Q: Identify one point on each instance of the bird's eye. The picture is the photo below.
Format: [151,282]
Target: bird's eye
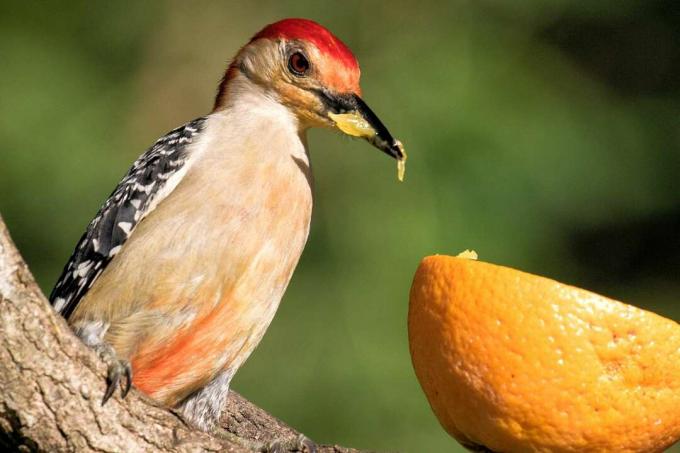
[298,64]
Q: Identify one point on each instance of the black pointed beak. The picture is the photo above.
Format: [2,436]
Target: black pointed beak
[353,117]
[382,139]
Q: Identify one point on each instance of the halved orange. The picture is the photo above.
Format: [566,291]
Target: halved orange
[515,362]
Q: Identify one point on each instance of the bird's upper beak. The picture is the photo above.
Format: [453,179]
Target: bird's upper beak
[353,117]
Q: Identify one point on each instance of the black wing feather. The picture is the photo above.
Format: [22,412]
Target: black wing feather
[120,214]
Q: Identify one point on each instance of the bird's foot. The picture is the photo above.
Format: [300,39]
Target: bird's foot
[299,444]
[117,368]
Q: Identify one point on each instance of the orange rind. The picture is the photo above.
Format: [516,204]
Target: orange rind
[515,362]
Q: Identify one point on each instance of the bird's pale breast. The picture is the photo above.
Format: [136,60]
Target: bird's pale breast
[199,281]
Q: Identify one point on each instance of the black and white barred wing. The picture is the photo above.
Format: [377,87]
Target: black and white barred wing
[140,190]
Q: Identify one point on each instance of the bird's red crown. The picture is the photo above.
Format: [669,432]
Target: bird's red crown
[320,36]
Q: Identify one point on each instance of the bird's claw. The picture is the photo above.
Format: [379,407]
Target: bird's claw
[301,444]
[117,368]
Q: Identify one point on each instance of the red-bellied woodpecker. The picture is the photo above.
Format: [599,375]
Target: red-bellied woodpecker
[180,273]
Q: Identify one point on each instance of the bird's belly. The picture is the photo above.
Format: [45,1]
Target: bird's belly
[221,314]
[200,306]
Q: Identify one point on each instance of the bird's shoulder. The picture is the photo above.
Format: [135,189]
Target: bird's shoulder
[137,194]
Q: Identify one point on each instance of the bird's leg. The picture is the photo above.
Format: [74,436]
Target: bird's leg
[300,443]
[203,408]
[117,368]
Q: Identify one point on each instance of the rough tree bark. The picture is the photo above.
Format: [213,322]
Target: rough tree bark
[51,387]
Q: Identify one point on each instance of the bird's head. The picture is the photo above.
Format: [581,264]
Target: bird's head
[310,71]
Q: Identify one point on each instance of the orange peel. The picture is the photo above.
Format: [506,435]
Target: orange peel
[516,362]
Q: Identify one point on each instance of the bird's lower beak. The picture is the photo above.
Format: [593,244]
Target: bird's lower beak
[353,117]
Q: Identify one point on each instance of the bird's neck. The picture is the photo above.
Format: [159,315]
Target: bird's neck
[251,127]
[242,95]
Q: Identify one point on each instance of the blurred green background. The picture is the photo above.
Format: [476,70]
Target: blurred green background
[544,135]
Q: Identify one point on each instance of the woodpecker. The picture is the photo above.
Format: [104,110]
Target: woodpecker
[181,271]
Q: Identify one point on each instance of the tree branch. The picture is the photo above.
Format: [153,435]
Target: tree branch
[51,387]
